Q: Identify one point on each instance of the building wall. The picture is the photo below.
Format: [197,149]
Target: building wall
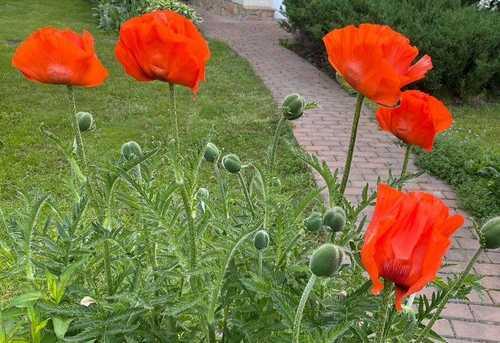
[256,3]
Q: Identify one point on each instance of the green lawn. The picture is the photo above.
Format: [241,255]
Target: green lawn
[233,104]
[465,155]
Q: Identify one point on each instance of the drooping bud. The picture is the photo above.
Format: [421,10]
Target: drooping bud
[231,163]
[293,106]
[261,240]
[335,218]
[314,222]
[490,234]
[326,260]
[211,153]
[85,121]
[131,150]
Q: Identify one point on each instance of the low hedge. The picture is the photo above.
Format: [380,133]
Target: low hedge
[463,40]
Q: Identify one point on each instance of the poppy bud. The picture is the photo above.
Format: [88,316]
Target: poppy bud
[261,240]
[231,163]
[314,222]
[211,153]
[335,218]
[85,121]
[326,260]
[293,106]
[490,234]
[131,150]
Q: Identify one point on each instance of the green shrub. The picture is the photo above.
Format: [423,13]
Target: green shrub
[470,167]
[463,41]
[111,14]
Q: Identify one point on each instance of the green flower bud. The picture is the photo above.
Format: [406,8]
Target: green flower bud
[261,240]
[335,218]
[326,260]
[231,163]
[314,222]
[490,234]
[131,150]
[211,153]
[293,106]
[85,121]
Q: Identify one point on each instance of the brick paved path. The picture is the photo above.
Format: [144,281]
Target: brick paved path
[325,132]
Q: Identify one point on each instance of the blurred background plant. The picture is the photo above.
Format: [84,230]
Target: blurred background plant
[110,14]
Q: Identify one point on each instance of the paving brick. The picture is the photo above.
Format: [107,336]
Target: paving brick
[325,132]
[457,310]
[495,296]
[486,313]
[443,327]
[476,330]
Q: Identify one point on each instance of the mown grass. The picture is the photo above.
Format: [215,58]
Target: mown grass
[233,105]
[467,157]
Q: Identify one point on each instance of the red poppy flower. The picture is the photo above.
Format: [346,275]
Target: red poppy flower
[165,46]
[56,56]
[417,121]
[375,60]
[406,240]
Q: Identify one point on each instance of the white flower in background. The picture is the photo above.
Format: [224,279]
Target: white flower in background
[87,301]
[489,4]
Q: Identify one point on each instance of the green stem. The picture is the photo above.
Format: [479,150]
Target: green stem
[216,291]
[247,193]
[447,296]
[189,213]
[300,309]
[173,112]
[288,248]
[350,152]
[222,188]
[405,165]
[260,263]
[274,146]
[385,311]
[107,267]
[80,149]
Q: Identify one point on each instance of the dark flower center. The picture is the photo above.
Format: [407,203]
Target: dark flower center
[396,271]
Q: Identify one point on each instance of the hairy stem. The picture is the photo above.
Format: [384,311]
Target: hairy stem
[350,152]
[173,113]
[189,213]
[107,267]
[447,296]
[80,149]
[222,188]
[246,193]
[385,312]
[300,309]
[274,146]
[405,165]
[216,291]
[288,248]
[260,263]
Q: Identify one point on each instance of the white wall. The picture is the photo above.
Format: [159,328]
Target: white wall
[256,3]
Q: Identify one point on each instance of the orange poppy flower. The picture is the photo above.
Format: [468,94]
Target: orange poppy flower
[375,60]
[165,46]
[62,57]
[406,240]
[417,121]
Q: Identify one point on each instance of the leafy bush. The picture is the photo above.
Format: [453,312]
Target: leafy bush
[112,13]
[463,41]
[118,265]
[470,167]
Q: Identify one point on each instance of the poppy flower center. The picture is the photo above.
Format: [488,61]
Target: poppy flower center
[396,271]
[59,73]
